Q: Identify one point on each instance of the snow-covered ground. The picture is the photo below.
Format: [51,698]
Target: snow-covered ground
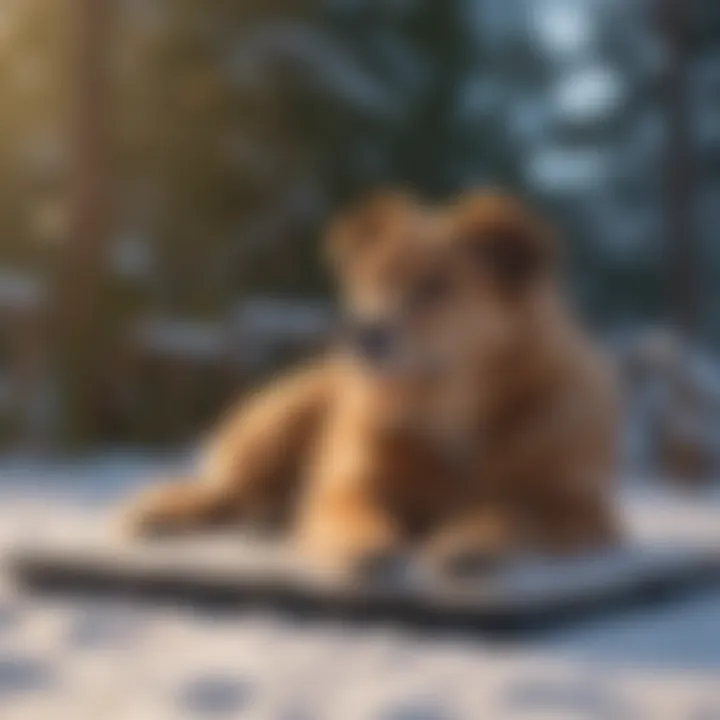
[78,658]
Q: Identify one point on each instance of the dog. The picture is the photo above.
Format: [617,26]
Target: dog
[464,413]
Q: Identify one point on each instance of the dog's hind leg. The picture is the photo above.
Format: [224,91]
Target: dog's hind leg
[251,464]
[175,504]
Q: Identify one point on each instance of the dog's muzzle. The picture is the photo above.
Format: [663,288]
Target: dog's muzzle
[373,342]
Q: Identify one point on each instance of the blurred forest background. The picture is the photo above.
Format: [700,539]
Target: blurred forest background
[168,167]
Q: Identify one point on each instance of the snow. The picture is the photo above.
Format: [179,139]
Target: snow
[185,339]
[684,636]
[278,317]
[564,27]
[588,94]
[257,328]
[318,62]
[131,257]
[65,657]
[566,170]
[20,291]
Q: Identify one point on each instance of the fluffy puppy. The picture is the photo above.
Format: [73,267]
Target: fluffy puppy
[464,412]
[545,443]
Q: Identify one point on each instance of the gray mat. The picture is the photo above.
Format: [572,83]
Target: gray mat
[233,571]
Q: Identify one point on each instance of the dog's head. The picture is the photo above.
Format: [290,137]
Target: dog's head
[392,262]
[425,290]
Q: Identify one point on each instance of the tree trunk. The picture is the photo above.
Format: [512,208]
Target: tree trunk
[679,172]
[81,267]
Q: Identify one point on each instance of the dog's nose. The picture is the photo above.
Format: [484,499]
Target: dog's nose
[374,341]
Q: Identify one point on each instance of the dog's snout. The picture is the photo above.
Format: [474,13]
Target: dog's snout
[374,340]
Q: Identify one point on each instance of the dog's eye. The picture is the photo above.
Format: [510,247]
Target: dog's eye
[510,258]
[429,292]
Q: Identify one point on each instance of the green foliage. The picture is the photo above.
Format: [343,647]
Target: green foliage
[239,126]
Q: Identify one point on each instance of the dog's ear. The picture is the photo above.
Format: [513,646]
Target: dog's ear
[361,227]
[506,241]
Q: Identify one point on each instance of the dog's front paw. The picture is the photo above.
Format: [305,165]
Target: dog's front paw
[388,567]
[347,553]
[468,549]
[151,514]
[467,561]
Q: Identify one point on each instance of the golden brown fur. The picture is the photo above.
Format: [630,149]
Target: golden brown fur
[489,426]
